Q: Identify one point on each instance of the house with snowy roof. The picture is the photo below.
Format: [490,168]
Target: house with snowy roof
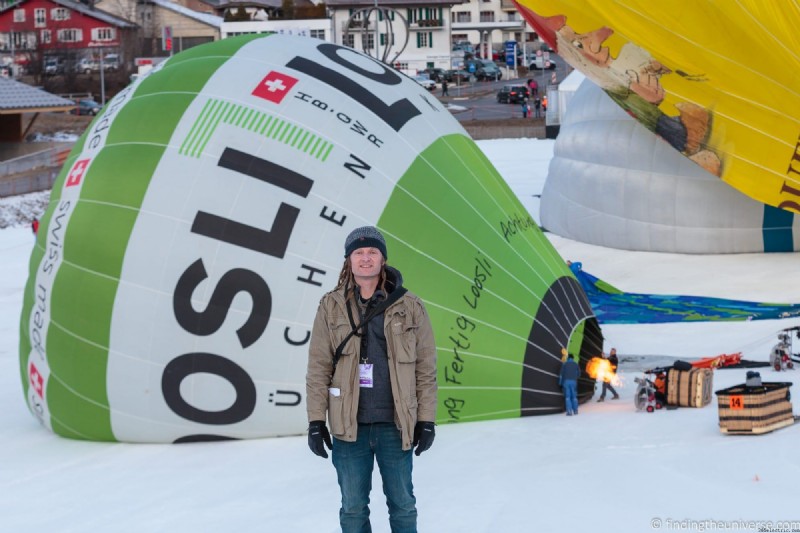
[167,26]
[32,30]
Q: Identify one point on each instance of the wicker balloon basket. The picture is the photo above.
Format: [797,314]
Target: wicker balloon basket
[755,410]
[690,388]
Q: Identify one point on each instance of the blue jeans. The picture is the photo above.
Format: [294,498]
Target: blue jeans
[571,395]
[354,462]
[607,387]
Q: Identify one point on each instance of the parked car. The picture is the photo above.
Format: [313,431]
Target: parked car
[111,62]
[483,69]
[464,45]
[487,70]
[499,56]
[436,74]
[53,66]
[86,107]
[540,63]
[459,77]
[512,94]
[425,81]
[463,49]
[86,66]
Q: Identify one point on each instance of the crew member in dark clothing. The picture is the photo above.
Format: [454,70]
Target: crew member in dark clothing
[614,363]
[568,379]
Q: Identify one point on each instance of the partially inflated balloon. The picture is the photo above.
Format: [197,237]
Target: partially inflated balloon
[613,183]
[202,216]
[717,80]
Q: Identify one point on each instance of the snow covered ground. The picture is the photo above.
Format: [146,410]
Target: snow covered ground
[610,469]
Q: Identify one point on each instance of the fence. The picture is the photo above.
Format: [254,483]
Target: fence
[509,129]
[33,172]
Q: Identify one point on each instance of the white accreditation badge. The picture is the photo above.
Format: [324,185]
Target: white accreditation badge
[365,375]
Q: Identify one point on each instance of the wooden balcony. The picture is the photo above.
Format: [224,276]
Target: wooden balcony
[428,24]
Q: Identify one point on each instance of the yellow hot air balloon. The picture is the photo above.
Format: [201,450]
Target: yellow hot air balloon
[717,80]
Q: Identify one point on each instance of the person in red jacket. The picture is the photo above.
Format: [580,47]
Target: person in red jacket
[35,226]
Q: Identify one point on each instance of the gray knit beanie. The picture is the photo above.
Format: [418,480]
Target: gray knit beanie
[364,237]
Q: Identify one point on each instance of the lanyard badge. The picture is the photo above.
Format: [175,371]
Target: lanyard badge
[365,375]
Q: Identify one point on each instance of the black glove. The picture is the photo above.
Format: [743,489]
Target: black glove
[317,434]
[424,433]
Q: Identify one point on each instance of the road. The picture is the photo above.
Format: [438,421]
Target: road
[479,99]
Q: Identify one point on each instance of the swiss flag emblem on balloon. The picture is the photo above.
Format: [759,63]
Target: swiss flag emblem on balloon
[37,381]
[274,86]
[77,172]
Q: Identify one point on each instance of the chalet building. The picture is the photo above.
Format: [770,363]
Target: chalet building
[411,34]
[261,10]
[261,16]
[189,22]
[31,30]
[201,6]
[427,28]
[315,28]
[423,26]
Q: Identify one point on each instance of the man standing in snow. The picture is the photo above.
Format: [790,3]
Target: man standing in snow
[613,364]
[568,379]
[35,226]
[372,371]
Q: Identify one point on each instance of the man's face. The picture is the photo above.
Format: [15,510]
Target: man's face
[366,262]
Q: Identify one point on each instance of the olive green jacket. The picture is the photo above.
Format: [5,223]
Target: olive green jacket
[412,366]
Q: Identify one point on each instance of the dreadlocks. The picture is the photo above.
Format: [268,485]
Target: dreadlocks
[346,278]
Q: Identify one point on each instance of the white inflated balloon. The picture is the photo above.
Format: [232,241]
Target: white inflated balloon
[614,183]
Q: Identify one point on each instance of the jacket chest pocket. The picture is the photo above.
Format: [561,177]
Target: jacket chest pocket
[339,332]
[404,337]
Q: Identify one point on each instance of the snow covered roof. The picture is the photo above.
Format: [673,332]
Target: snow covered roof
[18,97]
[205,18]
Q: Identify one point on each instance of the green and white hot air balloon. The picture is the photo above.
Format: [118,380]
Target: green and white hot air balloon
[202,215]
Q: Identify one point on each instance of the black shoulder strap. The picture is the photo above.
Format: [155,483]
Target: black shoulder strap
[375,311]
